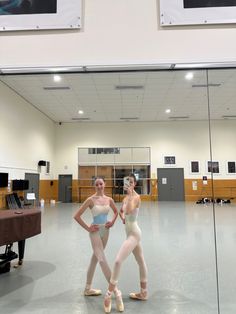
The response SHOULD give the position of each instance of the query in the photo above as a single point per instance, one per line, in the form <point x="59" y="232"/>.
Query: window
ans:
<point x="105" y="150"/>
<point x="113" y="164"/>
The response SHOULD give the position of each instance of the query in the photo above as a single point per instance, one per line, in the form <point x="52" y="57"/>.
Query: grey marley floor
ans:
<point x="178" y="242"/>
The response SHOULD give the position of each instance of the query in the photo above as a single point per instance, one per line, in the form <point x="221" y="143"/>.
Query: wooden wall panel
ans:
<point x="3" y="193"/>
<point x="225" y="189"/>
<point x="75" y="191"/>
<point x="48" y="190"/>
<point x="154" y="189"/>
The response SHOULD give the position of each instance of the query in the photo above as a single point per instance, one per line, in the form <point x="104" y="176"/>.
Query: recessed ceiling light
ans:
<point x="168" y="110"/>
<point x="57" y="78"/>
<point x="80" y="112"/>
<point x="189" y="76"/>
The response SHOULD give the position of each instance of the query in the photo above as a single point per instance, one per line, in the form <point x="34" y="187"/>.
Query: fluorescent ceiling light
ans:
<point x="80" y="119"/>
<point x="56" y="87"/>
<point x="229" y="117"/>
<point x="125" y="87"/>
<point x="179" y="117"/>
<point x="129" y="118"/>
<point x="168" y="111"/>
<point x="205" y="85"/>
<point x="80" y="112"/>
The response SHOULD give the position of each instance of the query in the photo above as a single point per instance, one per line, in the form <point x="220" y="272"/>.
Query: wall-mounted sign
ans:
<point x="39" y="14"/>
<point x="164" y="180"/>
<point x="194" y="167"/>
<point x="213" y="166"/>
<point x="169" y="160"/>
<point x="187" y="12"/>
<point x="231" y="167"/>
<point x="204" y="180"/>
<point x="194" y="185"/>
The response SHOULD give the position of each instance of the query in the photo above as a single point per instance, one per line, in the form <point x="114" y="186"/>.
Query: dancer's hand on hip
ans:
<point x="93" y="228"/>
<point x="109" y="224"/>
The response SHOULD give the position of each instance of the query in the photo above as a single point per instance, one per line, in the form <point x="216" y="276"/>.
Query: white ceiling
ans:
<point x="97" y="96"/>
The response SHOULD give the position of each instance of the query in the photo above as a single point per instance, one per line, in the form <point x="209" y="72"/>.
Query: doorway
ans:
<point x="33" y="179"/>
<point x="170" y="184"/>
<point x="65" y="188"/>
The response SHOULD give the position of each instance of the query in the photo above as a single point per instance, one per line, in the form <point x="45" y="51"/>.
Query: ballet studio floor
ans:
<point x="179" y="247"/>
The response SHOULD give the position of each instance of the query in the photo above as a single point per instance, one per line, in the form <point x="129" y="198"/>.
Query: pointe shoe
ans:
<point x="107" y="302"/>
<point x="141" y="296"/>
<point x="119" y="301"/>
<point x="92" y="292"/>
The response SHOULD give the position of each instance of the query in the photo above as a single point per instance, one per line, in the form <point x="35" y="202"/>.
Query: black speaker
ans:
<point x="42" y="163"/>
<point x="5" y="267"/>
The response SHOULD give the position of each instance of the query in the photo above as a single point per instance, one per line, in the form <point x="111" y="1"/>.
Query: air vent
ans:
<point x="127" y="87"/>
<point x="179" y="117"/>
<point x="229" y="117"/>
<point x="56" y="87"/>
<point x="129" y="118"/>
<point x="80" y="119"/>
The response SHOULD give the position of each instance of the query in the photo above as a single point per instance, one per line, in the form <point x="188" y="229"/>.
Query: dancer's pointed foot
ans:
<point x="119" y="301"/>
<point x="141" y="296"/>
<point x="92" y="292"/>
<point x="107" y="302"/>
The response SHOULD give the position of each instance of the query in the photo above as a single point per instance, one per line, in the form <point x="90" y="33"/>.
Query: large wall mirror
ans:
<point x="175" y="130"/>
<point x="222" y="95"/>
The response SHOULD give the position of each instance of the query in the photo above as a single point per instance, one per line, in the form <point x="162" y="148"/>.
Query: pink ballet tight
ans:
<point x="131" y="244"/>
<point x="98" y="245"/>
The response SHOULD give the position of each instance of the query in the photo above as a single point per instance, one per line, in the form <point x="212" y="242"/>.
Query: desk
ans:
<point x="18" y="227"/>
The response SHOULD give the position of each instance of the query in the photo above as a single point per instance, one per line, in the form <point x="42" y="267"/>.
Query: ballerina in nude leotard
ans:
<point x="99" y="204"/>
<point x="128" y="214"/>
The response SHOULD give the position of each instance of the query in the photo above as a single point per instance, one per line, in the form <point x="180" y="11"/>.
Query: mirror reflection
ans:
<point x="223" y="122"/>
<point x="156" y="125"/>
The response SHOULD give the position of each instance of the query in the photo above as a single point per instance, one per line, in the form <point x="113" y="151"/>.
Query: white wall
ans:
<point x="185" y="140"/>
<point x="26" y="136"/>
<point x="119" y="32"/>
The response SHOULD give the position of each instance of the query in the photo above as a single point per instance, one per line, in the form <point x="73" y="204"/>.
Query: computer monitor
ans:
<point x="3" y="179"/>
